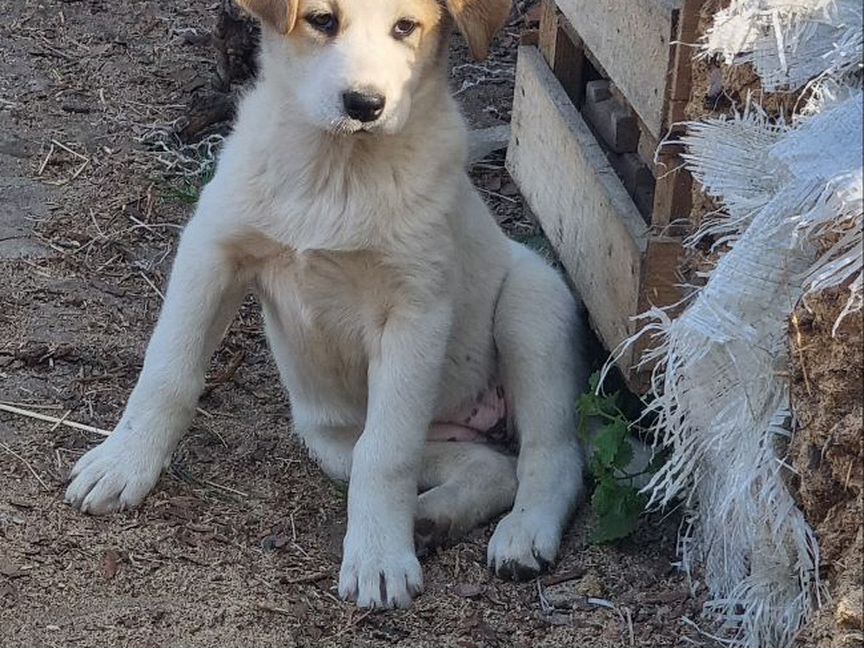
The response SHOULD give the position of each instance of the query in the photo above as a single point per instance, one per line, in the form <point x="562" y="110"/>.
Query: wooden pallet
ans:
<point x="605" y="84"/>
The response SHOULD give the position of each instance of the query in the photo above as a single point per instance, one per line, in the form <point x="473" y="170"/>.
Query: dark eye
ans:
<point x="326" y="23"/>
<point x="404" y="28"/>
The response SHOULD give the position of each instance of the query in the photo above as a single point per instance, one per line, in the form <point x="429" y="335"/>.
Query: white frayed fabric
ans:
<point x="793" y="195"/>
<point x="789" y="42"/>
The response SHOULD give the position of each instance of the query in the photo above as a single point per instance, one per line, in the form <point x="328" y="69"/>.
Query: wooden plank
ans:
<point x="631" y="41"/>
<point x="672" y="193"/>
<point x="659" y="287"/>
<point x="562" y="48"/>
<point x="530" y="37"/>
<point x="612" y="120"/>
<point x="548" y="31"/>
<point x="584" y="210"/>
<point x="569" y="65"/>
<point x="567" y="37"/>
<point x="687" y="35"/>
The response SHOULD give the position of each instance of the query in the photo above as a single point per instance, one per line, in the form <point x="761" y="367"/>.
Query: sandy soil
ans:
<point x="827" y="453"/>
<point x="239" y="543"/>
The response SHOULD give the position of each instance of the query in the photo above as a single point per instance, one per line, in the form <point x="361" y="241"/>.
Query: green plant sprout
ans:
<point x="616" y="503"/>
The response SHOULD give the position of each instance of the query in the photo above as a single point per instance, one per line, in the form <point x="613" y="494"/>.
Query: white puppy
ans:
<point x="395" y="307"/>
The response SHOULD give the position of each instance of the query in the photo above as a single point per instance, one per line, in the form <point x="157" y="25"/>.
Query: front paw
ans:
<point x="113" y="476"/>
<point x="523" y="546"/>
<point x="379" y="576"/>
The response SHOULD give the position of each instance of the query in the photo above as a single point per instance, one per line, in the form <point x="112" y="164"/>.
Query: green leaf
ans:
<point x="597" y="468"/>
<point x="591" y="404"/>
<point x="606" y="496"/>
<point x="615" y="525"/>
<point x="582" y="430"/>
<point x="189" y="190"/>
<point x="621" y="517"/>
<point x="341" y="489"/>
<point x="587" y="405"/>
<point x="617" y="505"/>
<point x="624" y="455"/>
<point x="608" y="441"/>
<point x="609" y="404"/>
<point x="593" y="382"/>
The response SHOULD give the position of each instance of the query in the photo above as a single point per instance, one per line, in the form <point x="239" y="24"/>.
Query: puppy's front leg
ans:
<point x="203" y="294"/>
<point x="379" y="565"/>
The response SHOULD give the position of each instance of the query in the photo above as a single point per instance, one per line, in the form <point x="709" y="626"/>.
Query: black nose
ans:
<point x="363" y="106"/>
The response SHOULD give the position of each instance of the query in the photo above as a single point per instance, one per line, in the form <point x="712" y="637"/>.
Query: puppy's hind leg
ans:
<point x="536" y="331"/>
<point x="468" y="484"/>
<point x="464" y="484"/>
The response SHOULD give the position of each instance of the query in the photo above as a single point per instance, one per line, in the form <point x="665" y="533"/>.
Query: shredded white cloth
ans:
<point x="793" y="200"/>
<point x="789" y="42"/>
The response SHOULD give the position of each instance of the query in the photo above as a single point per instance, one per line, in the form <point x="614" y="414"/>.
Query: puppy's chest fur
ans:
<point x="337" y="237"/>
<point x="335" y="264"/>
<point x="352" y="196"/>
<point x="328" y="294"/>
<point x="325" y="312"/>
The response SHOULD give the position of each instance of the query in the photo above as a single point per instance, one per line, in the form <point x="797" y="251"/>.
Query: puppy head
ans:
<point x="356" y="65"/>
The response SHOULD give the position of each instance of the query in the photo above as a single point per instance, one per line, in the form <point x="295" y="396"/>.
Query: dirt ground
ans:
<point x="239" y="543"/>
<point x="828" y="453"/>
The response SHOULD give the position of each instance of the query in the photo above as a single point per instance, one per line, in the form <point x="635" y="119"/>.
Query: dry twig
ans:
<point x="308" y="578"/>
<point x="26" y="463"/>
<point x="52" y="419"/>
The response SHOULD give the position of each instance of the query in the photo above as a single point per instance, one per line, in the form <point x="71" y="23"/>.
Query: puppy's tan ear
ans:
<point x="478" y="20"/>
<point x="279" y="14"/>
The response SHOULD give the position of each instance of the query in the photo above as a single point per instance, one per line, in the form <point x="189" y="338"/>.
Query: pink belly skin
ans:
<point x="485" y="420"/>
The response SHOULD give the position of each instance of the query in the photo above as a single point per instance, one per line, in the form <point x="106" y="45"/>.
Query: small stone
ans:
<point x="274" y="541"/>
<point x="563" y="596"/>
<point x="14" y="146"/>
<point x="591" y="585"/>
<point x="469" y="590"/>
<point x="493" y="183"/>
<point x="484" y="141"/>
<point x="556" y="619"/>
<point x="850" y="611"/>
<point x="75" y="108"/>
<point x="11" y="570"/>
<point x="195" y="39"/>
<point x="509" y="189"/>
<point x="110" y="563"/>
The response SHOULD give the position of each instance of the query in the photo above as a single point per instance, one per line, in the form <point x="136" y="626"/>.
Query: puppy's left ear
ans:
<point x="478" y="20"/>
<point x="279" y="14"/>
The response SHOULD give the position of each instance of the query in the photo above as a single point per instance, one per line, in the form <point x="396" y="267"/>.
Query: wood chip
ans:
<point x="563" y="577"/>
<point x="666" y="597"/>
<point x="469" y="590"/>
<point x="110" y="564"/>
<point x="305" y="580"/>
<point x="11" y="570"/>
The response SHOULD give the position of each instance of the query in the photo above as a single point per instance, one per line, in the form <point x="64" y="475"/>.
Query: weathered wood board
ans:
<point x="562" y="49"/>
<point x="582" y="206"/>
<point x="631" y="41"/>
